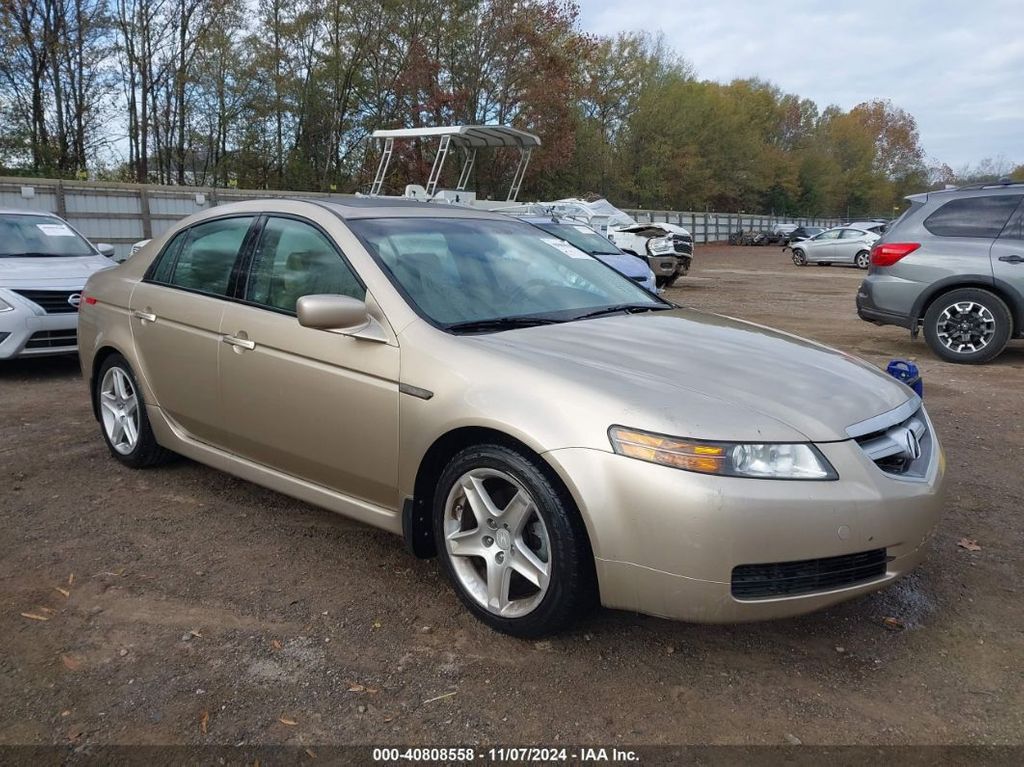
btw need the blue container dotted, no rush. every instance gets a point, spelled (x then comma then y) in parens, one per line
(907, 372)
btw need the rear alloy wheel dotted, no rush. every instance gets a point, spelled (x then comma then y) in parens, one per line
(863, 260)
(968, 325)
(513, 547)
(799, 258)
(123, 419)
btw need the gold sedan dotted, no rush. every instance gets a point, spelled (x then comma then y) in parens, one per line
(556, 434)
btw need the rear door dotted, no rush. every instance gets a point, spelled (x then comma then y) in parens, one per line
(850, 243)
(175, 318)
(311, 403)
(1008, 256)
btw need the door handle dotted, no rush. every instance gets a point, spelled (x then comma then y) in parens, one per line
(144, 316)
(1012, 259)
(241, 343)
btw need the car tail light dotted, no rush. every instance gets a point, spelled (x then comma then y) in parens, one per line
(889, 253)
(88, 299)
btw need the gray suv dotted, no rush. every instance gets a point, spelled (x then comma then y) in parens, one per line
(953, 264)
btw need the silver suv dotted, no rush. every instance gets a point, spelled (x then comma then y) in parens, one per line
(953, 264)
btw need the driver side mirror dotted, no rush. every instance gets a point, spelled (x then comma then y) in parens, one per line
(339, 314)
(105, 249)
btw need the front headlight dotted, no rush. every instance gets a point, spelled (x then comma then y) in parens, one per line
(729, 459)
(659, 246)
(5, 307)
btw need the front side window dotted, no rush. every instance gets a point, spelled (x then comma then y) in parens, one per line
(472, 271)
(206, 256)
(831, 234)
(973, 216)
(294, 259)
(23, 236)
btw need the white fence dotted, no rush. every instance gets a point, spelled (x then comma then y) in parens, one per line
(125, 213)
(716, 227)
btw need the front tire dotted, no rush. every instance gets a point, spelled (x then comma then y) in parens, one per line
(122, 415)
(969, 326)
(799, 258)
(511, 542)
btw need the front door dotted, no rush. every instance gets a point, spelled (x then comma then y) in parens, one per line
(313, 404)
(821, 246)
(175, 315)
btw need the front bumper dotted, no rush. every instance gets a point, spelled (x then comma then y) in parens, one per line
(666, 541)
(27, 334)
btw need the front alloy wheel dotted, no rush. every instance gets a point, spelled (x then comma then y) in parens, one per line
(512, 541)
(799, 258)
(497, 543)
(967, 325)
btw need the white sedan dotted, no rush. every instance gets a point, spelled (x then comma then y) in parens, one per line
(842, 245)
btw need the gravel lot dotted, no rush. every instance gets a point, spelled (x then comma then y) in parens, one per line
(185, 606)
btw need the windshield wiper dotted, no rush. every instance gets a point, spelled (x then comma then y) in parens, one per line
(500, 323)
(619, 308)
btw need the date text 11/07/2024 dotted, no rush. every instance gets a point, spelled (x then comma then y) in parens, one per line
(504, 754)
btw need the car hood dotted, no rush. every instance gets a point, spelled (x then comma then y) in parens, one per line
(50, 271)
(670, 228)
(631, 266)
(687, 373)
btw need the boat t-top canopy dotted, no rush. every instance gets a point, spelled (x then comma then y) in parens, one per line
(468, 138)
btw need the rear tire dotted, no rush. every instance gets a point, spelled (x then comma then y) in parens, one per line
(862, 260)
(124, 422)
(511, 542)
(969, 326)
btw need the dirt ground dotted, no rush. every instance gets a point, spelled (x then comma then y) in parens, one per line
(185, 606)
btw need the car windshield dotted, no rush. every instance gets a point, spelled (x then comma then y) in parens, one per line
(813, 230)
(583, 237)
(485, 274)
(23, 236)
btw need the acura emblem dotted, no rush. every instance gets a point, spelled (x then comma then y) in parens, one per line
(75, 299)
(913, 445)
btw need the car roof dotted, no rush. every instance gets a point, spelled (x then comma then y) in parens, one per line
(21, 212)
(399, 207)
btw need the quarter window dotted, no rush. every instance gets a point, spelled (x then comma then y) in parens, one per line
(294, 259)
(207, 255)
(973, 216)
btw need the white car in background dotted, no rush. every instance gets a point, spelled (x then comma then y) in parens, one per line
(840, 245)
(651, 241)
(44, 264)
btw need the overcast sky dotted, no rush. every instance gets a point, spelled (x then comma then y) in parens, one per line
(957, 66)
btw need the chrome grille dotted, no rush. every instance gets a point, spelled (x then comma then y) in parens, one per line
(897, 442)
(52, 301)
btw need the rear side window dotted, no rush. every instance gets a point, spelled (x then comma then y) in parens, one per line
(973, 216)
(206, 258)
(295, 259)
(1014, 230)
